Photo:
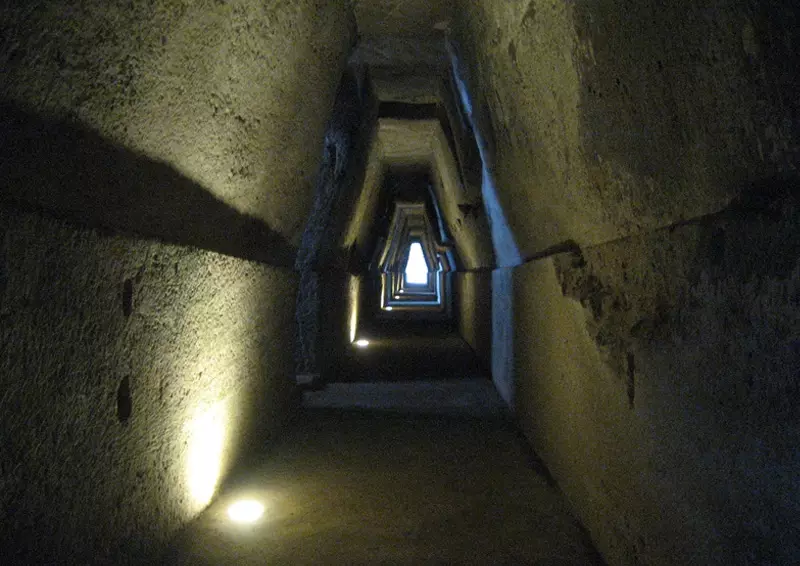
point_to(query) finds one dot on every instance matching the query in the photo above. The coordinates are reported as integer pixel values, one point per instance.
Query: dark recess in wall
(339, 171)
(405, 111)
(127, 297)
(124, 400)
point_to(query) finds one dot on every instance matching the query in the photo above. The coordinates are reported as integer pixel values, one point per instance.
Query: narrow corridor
(291, 252)
(412, 473)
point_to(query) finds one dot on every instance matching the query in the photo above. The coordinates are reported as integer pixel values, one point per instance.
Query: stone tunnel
(209, 217)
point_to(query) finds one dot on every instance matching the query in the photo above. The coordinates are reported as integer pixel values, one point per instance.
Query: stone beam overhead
(408, 142)
(394, 85)
(409, 18)
(403, 69)
(403, 52)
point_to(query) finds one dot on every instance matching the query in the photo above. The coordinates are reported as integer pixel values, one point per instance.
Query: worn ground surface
(393, 357)
(380, 486)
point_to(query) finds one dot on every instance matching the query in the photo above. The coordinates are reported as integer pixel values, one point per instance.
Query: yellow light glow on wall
(206, 447)
(354, 295)
(362, 343)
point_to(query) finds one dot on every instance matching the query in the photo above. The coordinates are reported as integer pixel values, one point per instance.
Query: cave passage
(400, 282)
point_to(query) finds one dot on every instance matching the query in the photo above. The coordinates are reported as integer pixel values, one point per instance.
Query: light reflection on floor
(396, 485)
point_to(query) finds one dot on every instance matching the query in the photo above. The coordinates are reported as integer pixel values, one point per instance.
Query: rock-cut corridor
(434, 281)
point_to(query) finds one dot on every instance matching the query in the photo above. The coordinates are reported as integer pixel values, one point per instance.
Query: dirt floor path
(370, 486)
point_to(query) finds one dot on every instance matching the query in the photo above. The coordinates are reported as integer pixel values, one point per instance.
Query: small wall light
(246, 511)
(361, 343)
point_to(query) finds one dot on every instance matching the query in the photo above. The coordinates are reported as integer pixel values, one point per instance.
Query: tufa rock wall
(607, 119)
(133, 374)
(234, 96)
(654, 367)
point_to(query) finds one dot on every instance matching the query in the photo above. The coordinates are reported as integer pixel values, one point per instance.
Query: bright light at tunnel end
(416, 268)
(361, 343)
(246, 511)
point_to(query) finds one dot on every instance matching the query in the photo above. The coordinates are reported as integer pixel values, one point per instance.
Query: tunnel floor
(394, 479)
(393, 358)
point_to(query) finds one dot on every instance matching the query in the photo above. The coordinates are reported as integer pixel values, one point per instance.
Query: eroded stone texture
(232, 95)
(133, 375)
(607, 119)
(654, 367)
(659, 386)
(198, 124)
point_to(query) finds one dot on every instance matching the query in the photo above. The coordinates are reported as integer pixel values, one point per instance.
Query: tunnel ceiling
(401, 60)
(422, 144)
(402, 55)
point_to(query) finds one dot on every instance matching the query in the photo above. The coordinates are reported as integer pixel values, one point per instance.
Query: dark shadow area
(67, 170)
(341, 169)
(399, 357)
(401, 348)
(405, 111)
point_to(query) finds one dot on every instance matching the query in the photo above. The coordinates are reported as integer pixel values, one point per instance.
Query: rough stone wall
(411, 19)
(654, 370)
(232, 95)
(503, 333)
(340, 318)
(605, 119)
(147, 146)
(657, 378)
(133, 374)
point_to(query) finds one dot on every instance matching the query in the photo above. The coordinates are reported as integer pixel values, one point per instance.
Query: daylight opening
(416, 268)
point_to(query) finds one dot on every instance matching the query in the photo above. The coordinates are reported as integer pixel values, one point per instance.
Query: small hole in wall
(631, 380)
(124, 400)
(127, 297)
